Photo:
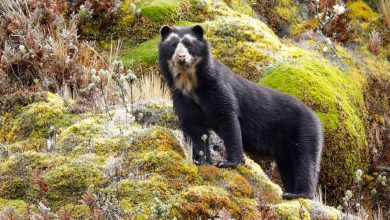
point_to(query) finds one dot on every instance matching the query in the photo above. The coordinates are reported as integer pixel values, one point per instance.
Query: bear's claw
(290, 196)
(227, 164)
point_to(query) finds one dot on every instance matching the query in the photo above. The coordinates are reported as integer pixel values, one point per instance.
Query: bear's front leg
(229, 130)
(195, 134)
(193, 124)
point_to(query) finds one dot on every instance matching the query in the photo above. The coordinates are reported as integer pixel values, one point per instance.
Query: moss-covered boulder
(338, 101)
(80, 136)
(36, 120)
(67, 182)
(243, 43)
(155, 113)
(156, 138)
(16, 172)
(305, 209)
(159, 10)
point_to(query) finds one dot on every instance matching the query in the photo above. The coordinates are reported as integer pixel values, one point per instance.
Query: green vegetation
(145, 52)
(158, 10)
(137, 162)
(338, 101)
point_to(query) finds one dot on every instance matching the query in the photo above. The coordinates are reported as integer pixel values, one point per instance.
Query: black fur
(248, 117)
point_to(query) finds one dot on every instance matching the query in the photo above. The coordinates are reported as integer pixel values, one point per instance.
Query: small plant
(89, 199)
(122, 79)
(347, 201)
(40, 182)
(358, 179)
(374, 43)
(159, 209)
(113, 168)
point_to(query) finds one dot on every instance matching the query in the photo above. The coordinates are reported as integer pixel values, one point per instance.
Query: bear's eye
(188, 44)
(173, 45)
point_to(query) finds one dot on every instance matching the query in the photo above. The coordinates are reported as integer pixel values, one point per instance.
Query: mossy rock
(71, 180)
(338, 101)
(280, 15)
(243, 43)
(17, 170)
(36, 120)
(305, 209)
(158, 10)
(155, 113)
(138, 196)
(156, 138)
(19, 205)
(359, 10)
(79, 137)
(207, 201)
(169, 164)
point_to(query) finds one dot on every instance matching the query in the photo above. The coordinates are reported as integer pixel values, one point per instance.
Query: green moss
(17, 170)
(138, 196)
(291, 210)
(361, 11)
(156, 113)
(338, 101)
(268, 190)
(76, 210)
(205, 201)
(158, 10)
(243, 43)
(238, 185)
(168, 164)
(37, 120)
(305, 209)
(69, 181)
(145, 52)
(13, 102)
(241, 6)
(156, 138)
(280, 15)
(80, 135)
(19, 205)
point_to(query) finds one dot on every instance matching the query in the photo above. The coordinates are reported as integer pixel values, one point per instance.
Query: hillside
(87, 129)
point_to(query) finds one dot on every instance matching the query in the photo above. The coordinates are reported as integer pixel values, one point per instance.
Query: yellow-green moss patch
(338, 101)
(158, 10)
(69, 181)
(145, 52)
(156, 138)
(243, 43)
(19, 205)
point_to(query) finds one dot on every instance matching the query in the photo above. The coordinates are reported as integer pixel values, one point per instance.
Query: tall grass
(149, 86)
(385, 9)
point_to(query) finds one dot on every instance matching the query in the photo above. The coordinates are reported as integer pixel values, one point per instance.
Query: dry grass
(374, 44)
(385, 9)
(149, 86)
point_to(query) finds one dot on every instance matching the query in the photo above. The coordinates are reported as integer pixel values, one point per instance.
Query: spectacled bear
(248, 117)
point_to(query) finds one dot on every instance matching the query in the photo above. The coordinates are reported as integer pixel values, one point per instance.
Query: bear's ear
(165, 30)
(198, 30)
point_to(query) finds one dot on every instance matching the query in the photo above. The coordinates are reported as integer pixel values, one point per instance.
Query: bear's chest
(187, 83)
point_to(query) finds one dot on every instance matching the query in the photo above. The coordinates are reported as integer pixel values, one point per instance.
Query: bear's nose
(181, 57)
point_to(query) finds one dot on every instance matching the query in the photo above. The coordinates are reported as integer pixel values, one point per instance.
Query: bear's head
(182, 48)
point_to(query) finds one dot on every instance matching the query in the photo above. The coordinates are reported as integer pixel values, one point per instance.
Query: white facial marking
(189, 37)
(170, 36)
